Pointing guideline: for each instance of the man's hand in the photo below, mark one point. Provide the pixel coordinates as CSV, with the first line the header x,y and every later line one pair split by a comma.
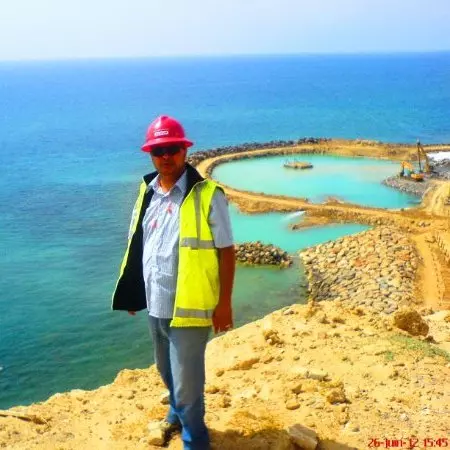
x,y
222,317
223,314
132,313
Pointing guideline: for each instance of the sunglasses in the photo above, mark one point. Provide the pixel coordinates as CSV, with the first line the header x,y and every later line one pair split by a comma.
x,y
170,150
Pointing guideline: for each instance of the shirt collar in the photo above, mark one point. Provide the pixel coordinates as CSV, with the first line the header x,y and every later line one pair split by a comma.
x,y
180,184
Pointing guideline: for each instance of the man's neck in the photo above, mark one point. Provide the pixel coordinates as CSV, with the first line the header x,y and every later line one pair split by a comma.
x,y
167,183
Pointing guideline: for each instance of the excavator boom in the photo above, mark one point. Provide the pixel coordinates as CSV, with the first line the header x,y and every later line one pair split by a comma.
x,y
422,153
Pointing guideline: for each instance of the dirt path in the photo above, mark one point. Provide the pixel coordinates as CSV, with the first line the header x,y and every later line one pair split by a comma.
x,y
431,282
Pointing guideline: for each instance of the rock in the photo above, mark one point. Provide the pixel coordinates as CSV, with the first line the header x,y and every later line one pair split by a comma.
x,y
295,387
247,362
288,312
316,374
300,371
267,358
165,398
303,437
411,321
156,434
256,253
292,404
211,389
270,333
224,401
336,396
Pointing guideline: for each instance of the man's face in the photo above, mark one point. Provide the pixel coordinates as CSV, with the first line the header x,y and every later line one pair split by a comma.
x,y
169,160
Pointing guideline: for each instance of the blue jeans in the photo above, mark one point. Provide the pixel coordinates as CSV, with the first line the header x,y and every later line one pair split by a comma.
x,y
180,360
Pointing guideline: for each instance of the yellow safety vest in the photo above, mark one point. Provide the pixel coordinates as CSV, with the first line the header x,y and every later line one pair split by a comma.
x,y
198,283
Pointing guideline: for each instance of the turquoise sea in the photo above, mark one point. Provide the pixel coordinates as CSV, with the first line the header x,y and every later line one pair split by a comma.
x,y
70,165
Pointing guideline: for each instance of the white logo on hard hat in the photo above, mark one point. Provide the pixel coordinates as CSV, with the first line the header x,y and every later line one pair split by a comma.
x,y
161,133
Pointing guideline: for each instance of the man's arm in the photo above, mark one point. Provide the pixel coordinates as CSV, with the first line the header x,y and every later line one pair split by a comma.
x,y
223,314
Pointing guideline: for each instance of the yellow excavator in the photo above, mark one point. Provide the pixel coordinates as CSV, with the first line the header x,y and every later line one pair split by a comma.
x,y
407,170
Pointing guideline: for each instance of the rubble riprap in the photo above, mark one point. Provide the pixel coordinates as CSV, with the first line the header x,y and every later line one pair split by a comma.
x,y
374,269
407,185
197,157
257,253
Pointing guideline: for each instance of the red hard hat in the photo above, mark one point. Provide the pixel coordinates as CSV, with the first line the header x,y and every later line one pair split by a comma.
x,y
165,130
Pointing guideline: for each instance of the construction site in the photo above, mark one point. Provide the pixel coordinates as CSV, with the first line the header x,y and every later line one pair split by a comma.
x,y
427,226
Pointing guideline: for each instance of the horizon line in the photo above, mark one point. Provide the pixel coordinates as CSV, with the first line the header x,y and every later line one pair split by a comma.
x,y
225,55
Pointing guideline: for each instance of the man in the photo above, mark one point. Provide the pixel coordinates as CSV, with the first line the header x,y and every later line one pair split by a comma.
x,y
180,265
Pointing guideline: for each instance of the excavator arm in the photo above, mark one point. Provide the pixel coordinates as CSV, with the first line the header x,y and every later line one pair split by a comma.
x,y
421,153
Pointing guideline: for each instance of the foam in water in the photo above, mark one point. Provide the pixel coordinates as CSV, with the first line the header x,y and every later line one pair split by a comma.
x,y
293,215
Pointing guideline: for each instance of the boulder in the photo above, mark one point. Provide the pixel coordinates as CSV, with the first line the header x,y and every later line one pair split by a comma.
x,y
411,321
303,437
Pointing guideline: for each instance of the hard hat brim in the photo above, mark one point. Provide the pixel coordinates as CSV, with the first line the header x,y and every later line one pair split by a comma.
x,y
147,147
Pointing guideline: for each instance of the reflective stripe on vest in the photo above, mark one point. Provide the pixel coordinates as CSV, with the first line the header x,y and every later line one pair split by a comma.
x,y
191,313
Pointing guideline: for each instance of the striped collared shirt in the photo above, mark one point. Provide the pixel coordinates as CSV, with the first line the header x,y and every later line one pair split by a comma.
x,y
161,232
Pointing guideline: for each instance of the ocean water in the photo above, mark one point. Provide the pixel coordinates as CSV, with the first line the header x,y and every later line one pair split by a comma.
x,y
70,163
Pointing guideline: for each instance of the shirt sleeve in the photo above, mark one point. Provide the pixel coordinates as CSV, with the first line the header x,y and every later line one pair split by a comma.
x,y
219,220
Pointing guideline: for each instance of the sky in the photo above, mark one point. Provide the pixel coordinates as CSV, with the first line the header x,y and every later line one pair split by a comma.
x,y
65,29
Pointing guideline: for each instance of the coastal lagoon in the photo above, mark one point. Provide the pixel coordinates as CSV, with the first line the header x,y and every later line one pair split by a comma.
x,y
354,180
70,134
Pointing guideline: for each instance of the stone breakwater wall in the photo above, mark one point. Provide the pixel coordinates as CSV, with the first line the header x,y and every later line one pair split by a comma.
x,y
197,157
257,253
342,216
374,270
417,188
269,152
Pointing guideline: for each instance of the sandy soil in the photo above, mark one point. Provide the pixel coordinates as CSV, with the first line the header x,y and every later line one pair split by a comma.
x,y
348,376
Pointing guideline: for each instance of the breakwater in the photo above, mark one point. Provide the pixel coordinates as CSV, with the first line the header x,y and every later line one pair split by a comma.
x,y
374,270
257,253
197,157
416,188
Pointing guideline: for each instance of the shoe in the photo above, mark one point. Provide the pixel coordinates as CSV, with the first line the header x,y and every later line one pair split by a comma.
x,y
170,428
164,431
